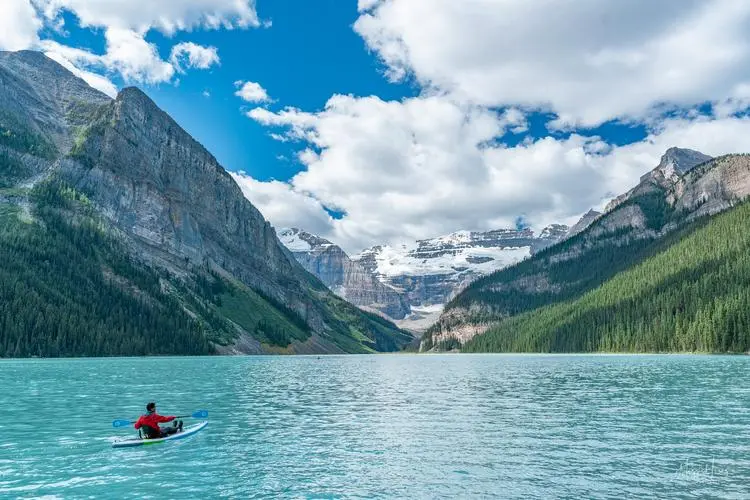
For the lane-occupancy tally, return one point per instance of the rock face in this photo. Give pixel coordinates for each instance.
(412, 282)
(713, 187)
(348, 279)
(52, 102)
(167, 198)
(585, 221)
(674, 164)
(170, 195)
(684, 186)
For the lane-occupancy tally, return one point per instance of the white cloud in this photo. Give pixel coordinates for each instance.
(134, 58)
(432, 164)
(364, 5)
(168, 16)
(190, 55)
(125, 24)
(429, 166)
(251, 92)
(283, 206)
(95, 80)
(587, 60)
(18, 25)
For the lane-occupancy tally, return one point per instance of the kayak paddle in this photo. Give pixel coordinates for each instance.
(197, 414)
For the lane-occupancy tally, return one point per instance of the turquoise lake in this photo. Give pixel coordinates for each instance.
(391, 426)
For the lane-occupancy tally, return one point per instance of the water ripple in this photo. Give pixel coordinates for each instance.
(383, 427)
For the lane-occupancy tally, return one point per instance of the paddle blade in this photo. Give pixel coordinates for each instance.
(121, 423)
(200, 414)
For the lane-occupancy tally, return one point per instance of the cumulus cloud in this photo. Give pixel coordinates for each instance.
(251, 91)
(125, 24)
(435, 163)
(95, 80)
(168, 16)
(134, 58)
(284, 206)
(427, 166)
(187, 55)
(586, 60)
(19, 24)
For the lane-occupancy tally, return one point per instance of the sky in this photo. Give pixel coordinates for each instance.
(383, 121)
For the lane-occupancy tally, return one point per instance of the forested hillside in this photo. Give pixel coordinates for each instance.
(68, 289)
(692, 295)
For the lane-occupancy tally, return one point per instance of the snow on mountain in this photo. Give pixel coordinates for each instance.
(432, 271)
(408, 261)
(346, 278)
(412, 282)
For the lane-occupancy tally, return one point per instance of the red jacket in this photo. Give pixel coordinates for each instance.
(152, 420)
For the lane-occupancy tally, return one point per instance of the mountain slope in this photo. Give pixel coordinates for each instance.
(125, 168)
(692, 295)
(612, 243)
(343, 276)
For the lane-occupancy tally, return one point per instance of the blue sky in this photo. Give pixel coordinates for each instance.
(392, 120)
(309, 53)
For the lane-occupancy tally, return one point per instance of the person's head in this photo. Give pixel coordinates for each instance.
(151, 407)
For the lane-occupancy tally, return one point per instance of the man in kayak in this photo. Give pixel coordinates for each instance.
(151, 420)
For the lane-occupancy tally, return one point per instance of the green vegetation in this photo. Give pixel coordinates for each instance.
(357, 331)
(692, 293)
(655, 207)
(546, 278)
(267, 320)
(11, 170)
(14, 134)
(67, 288)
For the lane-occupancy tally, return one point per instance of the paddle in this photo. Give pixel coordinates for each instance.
(197, 414)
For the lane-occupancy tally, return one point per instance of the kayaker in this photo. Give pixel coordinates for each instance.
(151, 420)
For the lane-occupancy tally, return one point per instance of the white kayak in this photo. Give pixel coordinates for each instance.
(187, 431)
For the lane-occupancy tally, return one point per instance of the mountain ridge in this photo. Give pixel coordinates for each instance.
(610, 243)
(416, 279)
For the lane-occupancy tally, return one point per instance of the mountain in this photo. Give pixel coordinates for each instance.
(411, 283)
(585, 221)
(123, 235)
(674, 164)
(430, 272)
(690, 295)
(670, 198)
(348, 279)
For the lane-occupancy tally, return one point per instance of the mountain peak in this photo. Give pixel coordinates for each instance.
(298, 240)
(678, 161)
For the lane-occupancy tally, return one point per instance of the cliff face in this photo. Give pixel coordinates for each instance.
(172, 205)
(674, 164)
(346, 278)
(170, 195)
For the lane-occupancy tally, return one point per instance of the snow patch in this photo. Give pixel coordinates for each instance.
(291, 239)
(401, 261)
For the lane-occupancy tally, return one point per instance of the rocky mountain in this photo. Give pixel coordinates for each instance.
(155, 207)
(411, 283)
(585, 221)
(346, 278)
(430, 272)
(674, 164)
(684, 187)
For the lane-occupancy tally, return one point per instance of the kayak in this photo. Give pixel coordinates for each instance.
(186, 432)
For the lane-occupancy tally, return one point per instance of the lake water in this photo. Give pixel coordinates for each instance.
(383, 426)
